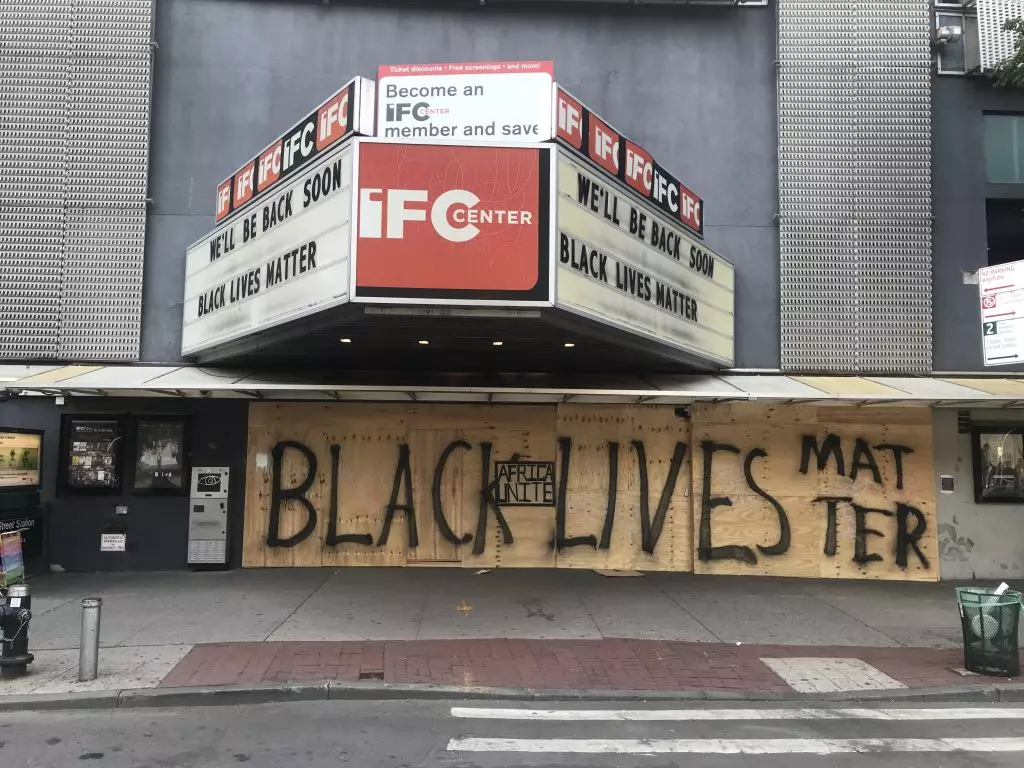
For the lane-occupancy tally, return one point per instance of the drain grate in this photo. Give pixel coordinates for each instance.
(371, 675)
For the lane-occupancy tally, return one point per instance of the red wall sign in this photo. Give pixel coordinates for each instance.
(452, 223)
(583, 131)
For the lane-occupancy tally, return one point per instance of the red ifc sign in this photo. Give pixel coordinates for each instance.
(449, 218)
(330, 123)
(582, 130)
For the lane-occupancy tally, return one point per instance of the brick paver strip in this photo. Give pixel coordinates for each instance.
(615, 664)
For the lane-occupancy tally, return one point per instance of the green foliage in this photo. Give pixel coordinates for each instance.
(1010, 71)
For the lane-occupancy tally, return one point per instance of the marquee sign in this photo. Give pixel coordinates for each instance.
(348, 111)
(585, 132)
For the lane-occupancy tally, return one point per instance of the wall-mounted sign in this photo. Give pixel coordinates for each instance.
(348, 111)
(479, 101)
(624, 263)
(92, 457)
(452, 223)
(1001, 289)
(20, 458)
(113, 542)
(590, 135)
(284, 258)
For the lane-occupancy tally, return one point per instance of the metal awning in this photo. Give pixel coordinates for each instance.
(966, 391)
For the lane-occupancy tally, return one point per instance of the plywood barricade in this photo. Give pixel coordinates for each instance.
(432, 458)
(788, 491)
(840, 492)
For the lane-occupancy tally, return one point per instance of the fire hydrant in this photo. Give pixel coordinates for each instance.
(15, 615)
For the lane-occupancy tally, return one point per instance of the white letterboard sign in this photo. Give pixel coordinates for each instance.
(623, 263)
(284, 257)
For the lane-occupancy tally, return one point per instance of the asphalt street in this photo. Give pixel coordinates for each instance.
(408, 734)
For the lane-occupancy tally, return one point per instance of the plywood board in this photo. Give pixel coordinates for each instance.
(861, 434)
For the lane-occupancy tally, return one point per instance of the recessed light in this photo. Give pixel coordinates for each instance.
(569, 345)
(497, 343)
(345, 341)
(424, 342)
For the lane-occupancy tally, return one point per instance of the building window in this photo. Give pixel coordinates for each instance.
(1004, 149)
(998, 457)
(1004, 222)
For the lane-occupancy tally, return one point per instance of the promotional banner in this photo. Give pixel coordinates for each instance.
(286, 257)
(348, 111)
(452, 224)
(480, 101)
(588, 134)
(626, 264)
(20, 457)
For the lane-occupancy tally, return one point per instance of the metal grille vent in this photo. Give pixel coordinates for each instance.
(995, 43)
(74, 146)
(855, 185)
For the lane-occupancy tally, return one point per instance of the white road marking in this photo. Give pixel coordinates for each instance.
(817, 675)
(736, 746)
(662, 715)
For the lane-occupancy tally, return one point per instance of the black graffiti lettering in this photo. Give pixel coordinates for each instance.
(488, 499)
(435, 494)
(898, 451)
(403, 471)
(908, 539)
(705, 551)
(781, 546)
(561, 540)
(861, 555)
(333, 538)
(832, 523)
(280, 497)
(650, 532)
(831, 446)
(613, 488)
(863, 458)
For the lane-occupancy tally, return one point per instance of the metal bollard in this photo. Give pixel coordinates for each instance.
(89, 650)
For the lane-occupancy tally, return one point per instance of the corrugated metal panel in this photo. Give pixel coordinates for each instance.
(995, 43)
(74, 146)
(855, 185)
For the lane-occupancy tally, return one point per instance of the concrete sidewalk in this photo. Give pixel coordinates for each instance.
(455, 626)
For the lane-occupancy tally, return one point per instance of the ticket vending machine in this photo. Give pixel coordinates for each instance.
(208, 517)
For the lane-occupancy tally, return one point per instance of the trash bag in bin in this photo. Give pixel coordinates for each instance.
(989, 623)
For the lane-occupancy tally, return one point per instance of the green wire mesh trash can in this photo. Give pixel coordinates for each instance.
(989, 623)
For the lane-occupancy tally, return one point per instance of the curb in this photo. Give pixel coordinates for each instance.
(232, 695)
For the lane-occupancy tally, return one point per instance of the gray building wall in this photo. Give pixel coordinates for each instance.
(959, 193)
(695, 86)
(976, 541)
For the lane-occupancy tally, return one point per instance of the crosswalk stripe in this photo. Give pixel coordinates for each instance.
(662, 715)
(736, 746)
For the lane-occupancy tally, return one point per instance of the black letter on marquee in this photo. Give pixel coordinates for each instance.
(613, 488)
(402, 470)
(281, 496)
(831, 524)
(832, 446)
(333, 539)
(651, 532)
(561, 542)
(487, 499)
(435, 494)
(780, 547)
(860, 554)
(905, 539)
(864, 459)
(897, 458)
(705, 551)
